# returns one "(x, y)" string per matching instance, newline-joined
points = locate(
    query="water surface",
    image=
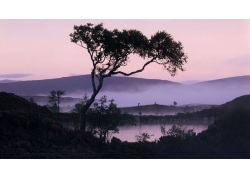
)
(128, 132)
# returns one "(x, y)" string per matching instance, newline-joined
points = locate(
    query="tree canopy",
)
(55, 100)
(110, 49)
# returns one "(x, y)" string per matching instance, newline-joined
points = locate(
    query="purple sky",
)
(41, 49)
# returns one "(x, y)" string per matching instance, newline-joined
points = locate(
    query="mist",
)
(166, 95)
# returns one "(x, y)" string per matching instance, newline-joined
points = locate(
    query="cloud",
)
(14, 75)
(240, 61)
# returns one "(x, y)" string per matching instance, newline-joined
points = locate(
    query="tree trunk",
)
(83, 119)
(89, 102)
(105, 137)
(84, 112)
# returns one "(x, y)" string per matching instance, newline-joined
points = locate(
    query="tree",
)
(32, 100)
(178, 131)
(55, 100)
(103, 119)
(139, 108)
(175, 103)
(143, 137)
(109, 50)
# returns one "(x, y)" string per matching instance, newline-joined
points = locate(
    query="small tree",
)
(143, 137)
(178, 132)
(32, 100)
(55, 100)
(139, 108)
(109, 51)
(175, 103)
(103, 119)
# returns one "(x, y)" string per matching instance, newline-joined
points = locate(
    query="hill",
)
(28, 130)
(157, 109)
(7, 81)
(237, 81)
(239, 102)
(81, 83)
(12, 102)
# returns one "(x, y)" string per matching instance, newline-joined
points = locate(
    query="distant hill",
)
(81, 83)
(239, 102)
(7, 81)
(237, 81)
(157, 109)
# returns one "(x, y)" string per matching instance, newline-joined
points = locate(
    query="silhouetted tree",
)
(103, 119)
(109, 50)
(175, 103)
(139, 108)
(55, 100)
(143, 137)
(32, 100)
(178, 131)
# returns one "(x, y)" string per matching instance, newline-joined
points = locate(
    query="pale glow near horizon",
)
(216, 48)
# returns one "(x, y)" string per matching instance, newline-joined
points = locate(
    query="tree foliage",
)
(110, 50)
(175, 103)
(178, 132)
(143, 137)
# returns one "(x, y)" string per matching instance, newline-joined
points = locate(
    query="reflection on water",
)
(128, 132)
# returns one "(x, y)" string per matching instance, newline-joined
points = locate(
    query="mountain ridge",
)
(234, 79)
(7, 81)
(82, 83)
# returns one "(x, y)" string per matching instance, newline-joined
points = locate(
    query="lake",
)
(128, 132)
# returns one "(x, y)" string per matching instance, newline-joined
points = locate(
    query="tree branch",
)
(81, 45)
(134, 72)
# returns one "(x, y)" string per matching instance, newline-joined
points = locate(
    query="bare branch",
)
(137, 71)
(81, 45)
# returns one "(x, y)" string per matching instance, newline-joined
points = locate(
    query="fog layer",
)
(166, 95)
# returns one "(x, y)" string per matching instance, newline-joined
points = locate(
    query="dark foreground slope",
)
(9, 101)
(228, 137)
(30, 131)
